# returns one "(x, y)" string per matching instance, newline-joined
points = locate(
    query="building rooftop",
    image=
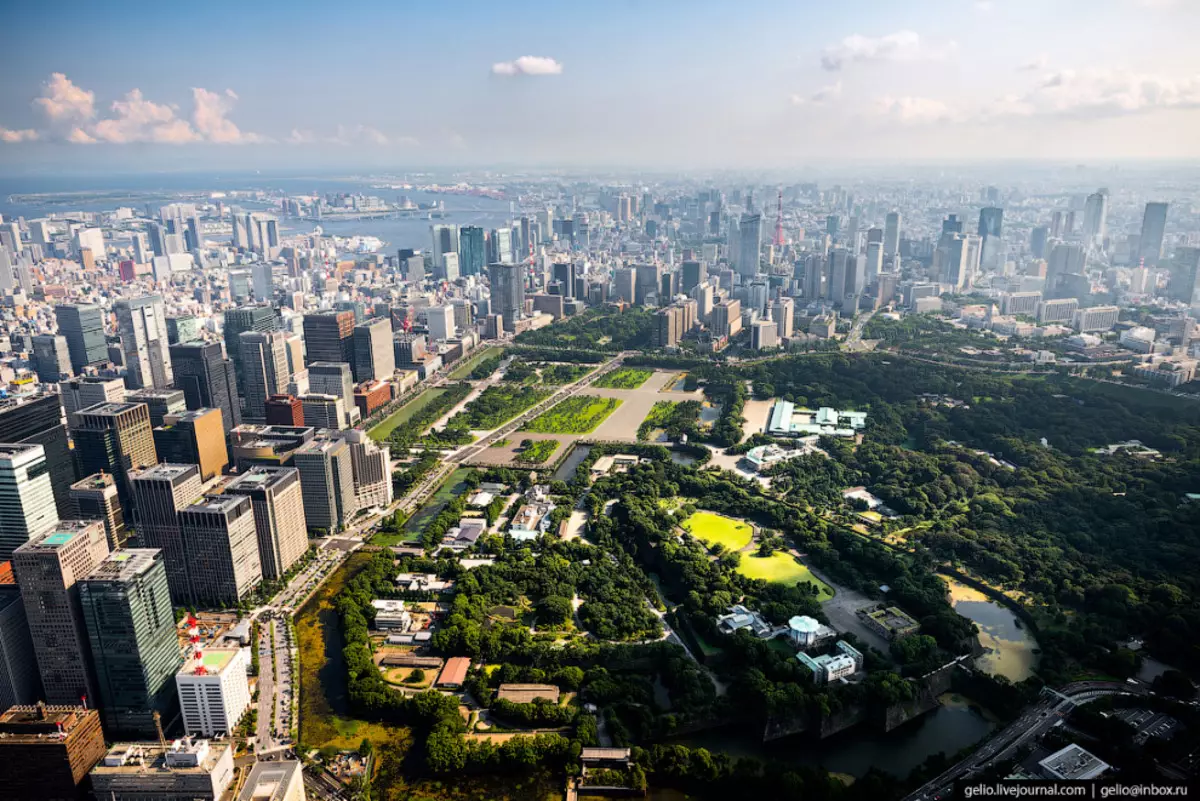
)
(187, 416)
(124, 564)
(1073, 763)
(216, 504)
(269, 781)
(60, 536)
(10, 450)
(110, 409)
(455, 670)
(262, 477)
(213, 660)
(40, 723)
(153, 392)
(168, 472)
(96, 481)
(181, 756)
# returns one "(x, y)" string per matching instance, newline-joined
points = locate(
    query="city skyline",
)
(695, 85)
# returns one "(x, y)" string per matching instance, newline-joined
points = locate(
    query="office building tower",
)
(95, 498)
(181, 329)
(991, 221)
(507, 292)
(194, 437)
(333, 378)
(221, 544)
(409, 350)
(142, 326)
(83, 327)
(727, 318)
(414, 269)
(374, 356)
(816, 283)
(37, 420)
(873, 262)
(213, 691)
(47, 751)
(445, 240)
(158, 495)
(262, 279)
(1067, 258)
(284, 410)
(440, 322)
(1095, 217)
(115, 438)
(891, 234)
(327, 479)
(764, 335)
(278, 505)
(448, 267)
(784, 313)
(371, 469)
(1154, 225)
(47, 570)
(749, 244)
(329, 337)
(1185, 276)
(842, 267)
(647, 283)
(472, 253)
(692, 273)
(208, 380)
(239, 321)
(131, 628)
(1095, 318)
(27, 507)
(623, 284)
(51, 361)
(264, 370)
(1038, 239)
(161, 403)
(1061, 310)
(185, 770)
(668, 325)
(324, 411)
(1020, 303)
(19, 682)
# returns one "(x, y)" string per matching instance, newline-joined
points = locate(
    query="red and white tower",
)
(779, 220)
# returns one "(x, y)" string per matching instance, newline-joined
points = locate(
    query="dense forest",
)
(597, 329)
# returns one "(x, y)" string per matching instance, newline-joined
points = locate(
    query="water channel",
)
(1009, 647)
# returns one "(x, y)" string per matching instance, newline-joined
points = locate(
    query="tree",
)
(554, 610)
(416, 676)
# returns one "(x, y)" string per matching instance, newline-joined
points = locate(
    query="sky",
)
(693, 84)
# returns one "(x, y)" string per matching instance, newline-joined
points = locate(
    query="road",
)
(1034, 722)
(853, 340)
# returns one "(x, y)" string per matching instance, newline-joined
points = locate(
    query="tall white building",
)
(1095, 217)
(213, 691)
(26, 496)
(142, 325)
(372, 469)
(891, 234)
(441, 322)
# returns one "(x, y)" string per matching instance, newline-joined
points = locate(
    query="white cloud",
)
(64, 102)
(24, 135)
(211, 120)
(1035, 64)
(902, 46)
(78, 136)
(823, 95)
(137, 119)
(359, 135)
(301, 137)
(1107, 93)
(528, 65)
(914, 110)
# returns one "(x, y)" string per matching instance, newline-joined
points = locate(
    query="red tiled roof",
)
(455, 670)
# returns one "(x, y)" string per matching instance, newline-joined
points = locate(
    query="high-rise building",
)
(95, 498)
(1038, 239)
(323, 411)
(84, 391)
(1154, 226)
(507, 292)
(891, 234)
(1095, 217)
(159, 402)
(327, 479)
(842, 268)
(115, 438)
(1067, 258)
(440, 322)
(158, 495)
(47, 570)
(208, 380)
(668, 324)
(264, 369)
(142, 325)
(83, 326)
(727, 318)
(221, 544)
(749, 244)
(991, 220)
(692, 273)
(333, 378)
(27, 507)
(185, 770)
(213, 690)
(47, 751)
(371, 469)
(279, 521)
(373, 353)
(51, 361)
(329, 337)
(284, 410)
(19, 682)
(624, 284)
(647, 282)
(784, 313)
(764, 335)
(240, 320)
(131, 627)
(445, 240)
(181, 329)
(472, 254)
(194, 437)
(37, 420)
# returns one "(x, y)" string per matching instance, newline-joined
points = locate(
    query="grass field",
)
(712, 528)
(625, 378)
(578, 415)
(784, 569)
(466, 367)
(536, 451)
(402, 415)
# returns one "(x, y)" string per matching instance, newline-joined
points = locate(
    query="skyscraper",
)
(991, 220)
(221, 543)
(279, 521)
(46, 752)
(142, 325)
(51, 360)
(83, 326)
(115, 438)
(1095, 217)
(508, 293)
(131, 628)
(1038, 238)
(95, 498)
(691, 274)
(891, 234)
(194, 437)
(374, 356)
(37, 420)
(749, 244)
(26, 497)
(329, 337)
(237, 322)
(19, 681)
(264, 369)
(159, 494)
(159, 402)
(208, 380)
(371, 469)
(1154, 225)
(47, 571)
(445, 240)
(327, 479)
(471, 250)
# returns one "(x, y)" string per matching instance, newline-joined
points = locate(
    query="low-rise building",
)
(740, 618)
(186, 770)
(808, 632)
(788, 421)
(47, 751)
(891, 622)
(274, 781)
(825, 668)
(528, 693)
(391, 615)
(465, 534)
(614, 463)
(531, 521)
(454, 672)
(1073, 763)
(423, 582)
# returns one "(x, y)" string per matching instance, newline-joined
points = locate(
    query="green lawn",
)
(465, 369)
(536, 451)
(712, 528)
(782, 568)
(625, 378)
(402, 415)
(578, 415)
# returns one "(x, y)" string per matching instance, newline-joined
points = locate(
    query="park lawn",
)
(625, 378)
(782, 568)
(536, 451)
(464, 370)
(581, 414)
(713, 528)
(402, 415)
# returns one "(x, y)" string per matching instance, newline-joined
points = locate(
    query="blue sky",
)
(673, 83)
